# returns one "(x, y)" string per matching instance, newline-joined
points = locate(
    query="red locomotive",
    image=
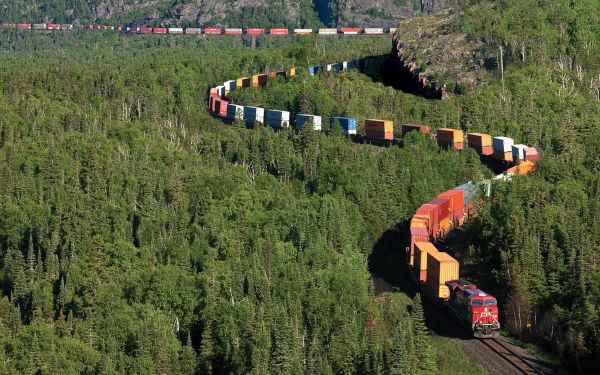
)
(474, 307)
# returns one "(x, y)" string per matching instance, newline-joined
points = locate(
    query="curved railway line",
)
(510, 356)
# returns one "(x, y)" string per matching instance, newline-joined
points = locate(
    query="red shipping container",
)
(443, 208)
(431, 211)
(280, 73)
(279, 32)
(221, 107)
(145, 30)
(456, 146)
(212, 30)
(159, 30)
(417, 235)
(412, 127)
(456, 198)
(250, 31)
(25, 25)
(234, 31)
(53, 26)
(531, 154)
(458, 216)
(350, 30)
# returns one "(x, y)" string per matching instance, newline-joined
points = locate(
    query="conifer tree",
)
(425, 353)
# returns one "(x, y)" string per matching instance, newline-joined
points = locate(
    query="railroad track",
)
(511, 357)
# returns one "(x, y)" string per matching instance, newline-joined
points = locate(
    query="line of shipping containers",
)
(350, 30)
(419, 232)
(422, 248)
(503, 148)
(213, 31)
(221, 107)
(24, 25)
(327, 31)
(450, 138)
(482, 143)
(279, 31)
(302, 119)
(431, 212)
(441, 267)
(379, 130)
(255, 31)
(277, 119)
(175, 30)
(531, 154)
(348, 124)
(334, 67)
(259, 80)
(193, 30)
(348, 64)
(235, 112)
(159, 30)
(254, 115)
(8, 25)
(234, 31)
(406, 128)
(374, 30)
(243, 82)
(443, 205)
(66, 26)
(213, 95)
(229, 86)
(518, 152)
(303, 31)
(145, 30)
(53, 26)
(457, 205)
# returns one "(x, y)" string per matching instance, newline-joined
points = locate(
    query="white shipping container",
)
(373, 30)
(175, 30)
(254, 114)
(230, 85)
(503, 144)
(328, 31)
(392, 30)
(303, 31)
(193, 30)
(301, 119)
(518, 152)
(221, 90)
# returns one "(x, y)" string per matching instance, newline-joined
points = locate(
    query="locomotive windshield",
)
(478, 302)
(490, 302)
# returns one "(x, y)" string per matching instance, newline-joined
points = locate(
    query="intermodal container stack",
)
(293, 72)
(221, 90)
(24, 25)
(418, 233)
(259, 80)
(53, 26)
(348, 124)
(255, 31)
(302, 119)
(243, 82)
(393, 30)
(482, 143)
(235, 112)
(39, 26)
(236, 31)
(145, 30)
(279, 31)
(469, 193)
(412, 127)
(221, 107)
(327, 31)
(254, 115)
(212, 31)
(175, 30)
(379, 129)
(159, 30)
(279, 73)
(518, 152)
(441, 267)
(350, 30)
(457, 205)
(450, 138)
(193, 30)
(312, 70)
(277, 119)
(229, 86)
(503, 148)
(421, 251)
(348, 64)
(531, 154)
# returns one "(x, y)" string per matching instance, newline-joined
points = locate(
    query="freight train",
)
(436, 273)
(217, 30)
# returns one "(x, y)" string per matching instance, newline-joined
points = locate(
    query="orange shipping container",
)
(450, 135)
(444, 225)
(505, 156)
(418, 222)
(380, 126)
(479, 139)
(441, 267)
(456, 198)
(243, 82)
(421, 251)
(259, 80)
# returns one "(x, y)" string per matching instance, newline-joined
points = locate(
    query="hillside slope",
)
(302, 13)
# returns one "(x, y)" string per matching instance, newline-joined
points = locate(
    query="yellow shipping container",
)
(421, 251)
(445, 224)
(439, 290)
(450, 135)
(479, 139)
(417, 222)
(243, 82)
(259, 80)
(441, 267)
(411, 261)
(382, 126)
(292, 72)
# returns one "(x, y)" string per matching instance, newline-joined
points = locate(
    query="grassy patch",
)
(451, 360)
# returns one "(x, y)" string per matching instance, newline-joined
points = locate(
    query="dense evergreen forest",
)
(139, 235)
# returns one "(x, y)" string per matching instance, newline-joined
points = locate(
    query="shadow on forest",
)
(387, 262)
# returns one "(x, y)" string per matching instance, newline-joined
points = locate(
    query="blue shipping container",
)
(348, 124)
(235, 111)
(301, 119)
(313, 69)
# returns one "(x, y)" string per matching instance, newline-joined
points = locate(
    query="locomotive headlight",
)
(486, 310)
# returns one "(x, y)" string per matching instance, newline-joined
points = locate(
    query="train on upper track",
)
(435, 273)
(215, 30)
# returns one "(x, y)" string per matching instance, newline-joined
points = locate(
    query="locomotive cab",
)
(484, 313)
